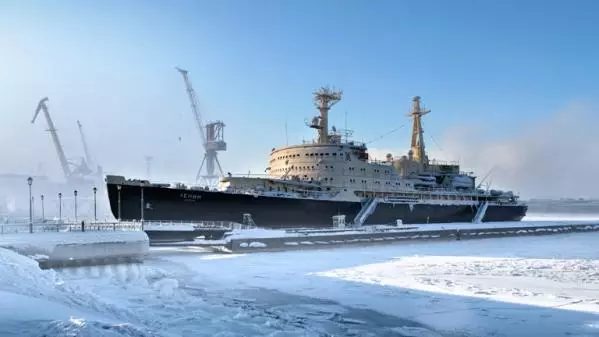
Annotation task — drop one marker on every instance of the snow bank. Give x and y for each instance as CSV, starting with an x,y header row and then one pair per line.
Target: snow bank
x,y
39,302
23,279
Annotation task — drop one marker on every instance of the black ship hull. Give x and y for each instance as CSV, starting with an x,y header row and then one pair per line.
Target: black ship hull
x,y
170,204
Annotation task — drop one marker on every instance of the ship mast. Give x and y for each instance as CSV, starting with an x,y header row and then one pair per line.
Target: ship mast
x,y
324,99
417,145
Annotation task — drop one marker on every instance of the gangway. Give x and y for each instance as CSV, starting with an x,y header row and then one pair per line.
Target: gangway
x,y
480,212
367,209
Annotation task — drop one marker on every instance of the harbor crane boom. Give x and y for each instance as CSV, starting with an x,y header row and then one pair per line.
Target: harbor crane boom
x,y
212,137
64,164
88,156
193,100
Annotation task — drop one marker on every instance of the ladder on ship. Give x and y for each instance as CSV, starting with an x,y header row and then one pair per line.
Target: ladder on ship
x,y
368,208
480,212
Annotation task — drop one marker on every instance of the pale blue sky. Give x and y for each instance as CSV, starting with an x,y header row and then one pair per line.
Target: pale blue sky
x,y
482,65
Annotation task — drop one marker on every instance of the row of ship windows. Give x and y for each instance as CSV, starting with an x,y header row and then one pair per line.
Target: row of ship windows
x,y
296,155
298,168
363,169
352,169
306,178
353,181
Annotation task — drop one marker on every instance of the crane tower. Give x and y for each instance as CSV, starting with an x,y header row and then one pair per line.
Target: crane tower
x,y
73,172
62,158
212,135
94,167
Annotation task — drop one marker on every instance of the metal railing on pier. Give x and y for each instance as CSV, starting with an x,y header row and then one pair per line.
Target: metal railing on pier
x,y
15,228
194,224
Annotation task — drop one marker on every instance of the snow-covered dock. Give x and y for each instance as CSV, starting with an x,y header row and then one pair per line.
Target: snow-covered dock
x,y
63,249
280,240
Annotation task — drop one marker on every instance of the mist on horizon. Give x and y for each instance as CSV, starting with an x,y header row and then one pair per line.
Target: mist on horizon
x,y
553,157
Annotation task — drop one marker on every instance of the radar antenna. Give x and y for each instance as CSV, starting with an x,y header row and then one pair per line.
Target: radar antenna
x,y
324,99
417,144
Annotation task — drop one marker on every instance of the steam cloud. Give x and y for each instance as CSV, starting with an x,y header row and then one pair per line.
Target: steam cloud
x,y
557,156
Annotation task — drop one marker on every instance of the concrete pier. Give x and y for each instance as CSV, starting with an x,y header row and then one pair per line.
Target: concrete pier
x,y
64,249
316,241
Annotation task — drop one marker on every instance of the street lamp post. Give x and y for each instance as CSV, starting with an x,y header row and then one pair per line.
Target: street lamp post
x,y
29,182
59,206
118,187
95,212
75,194
141,211
43,211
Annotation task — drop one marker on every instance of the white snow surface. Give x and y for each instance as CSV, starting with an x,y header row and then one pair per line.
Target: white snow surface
x,y
522,286
38,302
569,284
519,286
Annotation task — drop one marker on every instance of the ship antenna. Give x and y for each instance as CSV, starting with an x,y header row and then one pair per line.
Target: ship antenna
x,y
417,144
324,99
286,134
346,133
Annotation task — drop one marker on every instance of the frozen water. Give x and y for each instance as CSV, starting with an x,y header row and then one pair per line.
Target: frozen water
x,y
528,286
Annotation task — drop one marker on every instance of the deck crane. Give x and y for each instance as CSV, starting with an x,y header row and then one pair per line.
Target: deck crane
x,y
212,138
64,164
